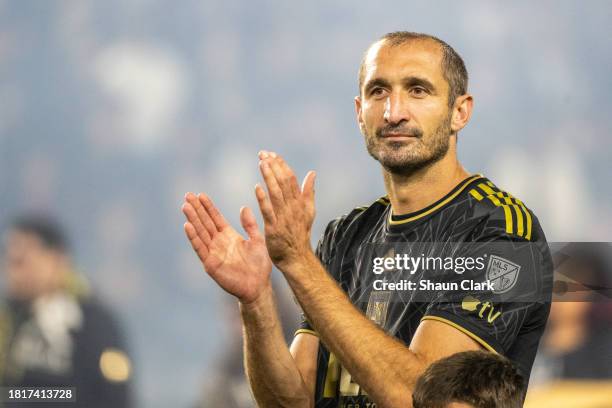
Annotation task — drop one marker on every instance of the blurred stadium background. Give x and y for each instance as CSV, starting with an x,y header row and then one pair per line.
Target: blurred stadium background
x,y
111,110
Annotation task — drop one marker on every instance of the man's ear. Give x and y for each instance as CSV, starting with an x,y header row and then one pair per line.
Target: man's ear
x,y
358,113
462,112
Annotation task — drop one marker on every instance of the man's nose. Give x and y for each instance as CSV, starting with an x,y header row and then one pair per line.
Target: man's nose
x,y
396,109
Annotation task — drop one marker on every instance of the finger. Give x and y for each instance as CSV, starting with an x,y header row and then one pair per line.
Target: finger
x,y
196,243
308,185
216,216
265,206
274,190
249,223
282,177
287,177
203,216
263,154
194,221
308,193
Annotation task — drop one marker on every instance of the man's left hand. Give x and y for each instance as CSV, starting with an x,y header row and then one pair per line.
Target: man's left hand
x,y
288,210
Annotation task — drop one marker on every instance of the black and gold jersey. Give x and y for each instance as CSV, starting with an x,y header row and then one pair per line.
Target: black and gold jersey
x,y
476,259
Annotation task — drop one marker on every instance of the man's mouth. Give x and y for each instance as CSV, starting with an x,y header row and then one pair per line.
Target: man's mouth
x,y
387,135
399,133
398,137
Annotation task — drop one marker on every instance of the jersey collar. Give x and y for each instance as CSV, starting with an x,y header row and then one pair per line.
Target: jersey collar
x,y
430,209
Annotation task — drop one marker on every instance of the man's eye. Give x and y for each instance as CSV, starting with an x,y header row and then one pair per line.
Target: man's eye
x,y
418,91
377,91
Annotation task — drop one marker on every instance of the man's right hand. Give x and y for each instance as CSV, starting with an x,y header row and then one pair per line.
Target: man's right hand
x,y
241,267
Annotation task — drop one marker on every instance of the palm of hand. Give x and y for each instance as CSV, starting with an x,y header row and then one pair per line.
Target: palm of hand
x,y
241,267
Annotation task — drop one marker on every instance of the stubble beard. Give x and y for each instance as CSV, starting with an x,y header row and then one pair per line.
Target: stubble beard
x,y
406,158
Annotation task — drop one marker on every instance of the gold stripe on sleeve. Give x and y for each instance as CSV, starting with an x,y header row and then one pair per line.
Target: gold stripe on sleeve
x,y
492,195
508,216
527,218
307,331
463,330
476,194
519,220
524,225
488,190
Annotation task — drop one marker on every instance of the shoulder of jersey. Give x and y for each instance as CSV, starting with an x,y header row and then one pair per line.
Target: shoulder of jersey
x,y
358,213
376,207
381,203
502,207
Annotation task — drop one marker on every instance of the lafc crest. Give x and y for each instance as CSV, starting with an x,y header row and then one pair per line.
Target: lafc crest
x,y
378,307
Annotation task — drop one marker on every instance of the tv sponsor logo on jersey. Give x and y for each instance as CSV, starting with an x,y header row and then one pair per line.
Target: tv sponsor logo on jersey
x,y
471,304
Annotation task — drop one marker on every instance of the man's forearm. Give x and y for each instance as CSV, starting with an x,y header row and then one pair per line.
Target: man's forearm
x,y
379,363
271,370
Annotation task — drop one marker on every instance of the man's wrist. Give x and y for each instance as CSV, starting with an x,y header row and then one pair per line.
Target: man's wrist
x,y
264,297
260,315
304,274
295,265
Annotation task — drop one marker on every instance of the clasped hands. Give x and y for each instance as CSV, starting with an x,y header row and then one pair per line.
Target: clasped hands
x,y
242,266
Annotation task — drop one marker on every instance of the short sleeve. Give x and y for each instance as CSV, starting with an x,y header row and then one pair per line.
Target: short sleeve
x,y
494,303
305,327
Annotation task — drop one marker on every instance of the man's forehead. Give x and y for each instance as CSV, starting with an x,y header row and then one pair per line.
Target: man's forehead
x,y
420,53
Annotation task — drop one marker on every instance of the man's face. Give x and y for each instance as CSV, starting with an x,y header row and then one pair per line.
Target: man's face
x,y
403,109
31,268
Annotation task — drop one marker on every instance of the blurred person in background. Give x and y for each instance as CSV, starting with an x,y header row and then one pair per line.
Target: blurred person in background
x,y
577,343
52,331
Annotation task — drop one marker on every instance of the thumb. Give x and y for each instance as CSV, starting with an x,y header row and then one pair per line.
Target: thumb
x,y
249,223
308,186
